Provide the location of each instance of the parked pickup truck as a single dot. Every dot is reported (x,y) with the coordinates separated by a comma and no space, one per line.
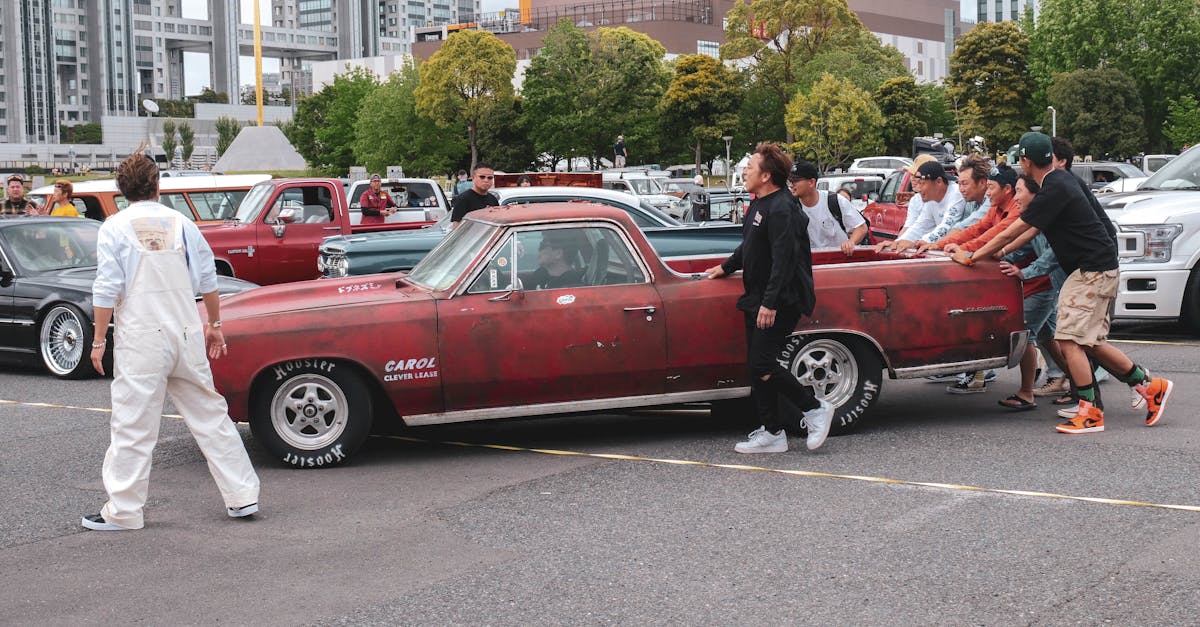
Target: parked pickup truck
(1158,238)
(274,235)
(469,336)
(888,212)
(388,252)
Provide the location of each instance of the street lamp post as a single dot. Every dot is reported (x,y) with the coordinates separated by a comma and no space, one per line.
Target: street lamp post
(71,159)
(728,174)
(1053,121)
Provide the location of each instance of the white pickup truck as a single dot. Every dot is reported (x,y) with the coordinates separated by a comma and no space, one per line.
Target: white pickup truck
(1158,232)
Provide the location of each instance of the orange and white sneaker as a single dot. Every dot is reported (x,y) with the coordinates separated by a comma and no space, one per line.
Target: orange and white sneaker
(1089,419)
(1156,391)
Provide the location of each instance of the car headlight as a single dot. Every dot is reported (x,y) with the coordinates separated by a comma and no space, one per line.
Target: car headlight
(1159,238)
(341,266)
(321,264)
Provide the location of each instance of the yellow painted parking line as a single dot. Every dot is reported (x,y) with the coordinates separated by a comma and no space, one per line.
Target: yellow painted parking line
(1153,342)
(740,467)
(806,473)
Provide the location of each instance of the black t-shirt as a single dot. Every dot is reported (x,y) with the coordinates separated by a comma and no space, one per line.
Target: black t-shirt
(469,201)
(541,279)
(1063,212)
(775,256)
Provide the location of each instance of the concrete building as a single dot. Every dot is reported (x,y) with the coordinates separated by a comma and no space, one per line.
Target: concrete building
(66,62)
(1004,10)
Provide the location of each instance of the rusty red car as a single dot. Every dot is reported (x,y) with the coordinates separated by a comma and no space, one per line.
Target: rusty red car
(477,331)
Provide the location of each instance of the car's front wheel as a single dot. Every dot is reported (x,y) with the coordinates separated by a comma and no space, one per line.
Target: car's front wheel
(317,414)
(843,370)
(64,341)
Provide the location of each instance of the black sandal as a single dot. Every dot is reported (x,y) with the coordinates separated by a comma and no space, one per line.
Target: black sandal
(1017,403)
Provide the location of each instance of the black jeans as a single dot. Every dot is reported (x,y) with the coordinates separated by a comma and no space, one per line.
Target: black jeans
(763,347)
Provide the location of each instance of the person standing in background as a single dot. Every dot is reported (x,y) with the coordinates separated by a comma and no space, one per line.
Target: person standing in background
(619,152)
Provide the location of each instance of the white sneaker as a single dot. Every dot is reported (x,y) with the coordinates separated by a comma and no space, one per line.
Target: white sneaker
(763,441)
(1069,411)
(1136,399)
(818,421)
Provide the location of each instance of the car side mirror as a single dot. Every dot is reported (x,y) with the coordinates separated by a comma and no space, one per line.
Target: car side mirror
(6,272)
(278,229)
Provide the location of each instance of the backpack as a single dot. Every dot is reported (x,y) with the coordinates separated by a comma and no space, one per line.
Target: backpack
(835,209)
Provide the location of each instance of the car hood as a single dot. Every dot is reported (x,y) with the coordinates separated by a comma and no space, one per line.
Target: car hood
(1157,208)
(417,239)
(81,279)
(302,296)
(1121,200)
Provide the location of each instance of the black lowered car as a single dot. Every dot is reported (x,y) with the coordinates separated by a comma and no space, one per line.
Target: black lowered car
(47,266)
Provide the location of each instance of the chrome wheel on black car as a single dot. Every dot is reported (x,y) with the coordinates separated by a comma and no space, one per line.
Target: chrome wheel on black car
(64,341)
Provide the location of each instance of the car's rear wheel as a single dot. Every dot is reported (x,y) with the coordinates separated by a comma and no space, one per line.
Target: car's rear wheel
(1189,313)
(317,414)
(64,341)
(845,371)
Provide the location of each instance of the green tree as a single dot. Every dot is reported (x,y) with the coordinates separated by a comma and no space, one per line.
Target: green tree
(86,133)
(939,116)
(856,54)
(169,141)
(783,37)
(621,97)
(310,115)
(504,141)
(227,130)
(208,95)
(471,74)
(1110,125)
(336,133)
(989,77)
(187,140)
(389,131)
(702,101)
(905,113)
(1183,121)
(551,105)
(760,117)
(1156,42)
(833,122)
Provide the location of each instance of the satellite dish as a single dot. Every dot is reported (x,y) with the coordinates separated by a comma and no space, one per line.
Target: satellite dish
(150,105)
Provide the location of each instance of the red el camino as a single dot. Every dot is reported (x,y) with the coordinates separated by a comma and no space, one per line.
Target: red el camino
(477,331)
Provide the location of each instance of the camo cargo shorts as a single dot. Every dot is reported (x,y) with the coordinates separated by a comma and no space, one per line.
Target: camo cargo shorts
(1083,306)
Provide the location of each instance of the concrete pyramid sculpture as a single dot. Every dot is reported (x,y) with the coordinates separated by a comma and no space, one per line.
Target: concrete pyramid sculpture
(260,148)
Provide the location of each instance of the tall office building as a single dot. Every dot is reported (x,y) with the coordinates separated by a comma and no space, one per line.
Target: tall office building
(1004,10)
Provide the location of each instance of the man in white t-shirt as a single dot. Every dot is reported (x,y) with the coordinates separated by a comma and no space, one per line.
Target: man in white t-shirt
(844,230)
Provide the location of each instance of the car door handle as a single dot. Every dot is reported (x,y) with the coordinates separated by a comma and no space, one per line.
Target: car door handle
(331,228)
(648,309)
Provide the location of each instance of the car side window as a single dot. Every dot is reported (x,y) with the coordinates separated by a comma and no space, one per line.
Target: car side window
(216,205)
(564,258)
(890,188)
(178,203)
(497,275)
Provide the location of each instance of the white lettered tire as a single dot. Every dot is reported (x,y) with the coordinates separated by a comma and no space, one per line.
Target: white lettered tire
(311,413)
(843,370)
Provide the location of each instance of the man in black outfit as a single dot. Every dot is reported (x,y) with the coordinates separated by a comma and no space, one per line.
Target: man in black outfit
(477,197)
(776,264)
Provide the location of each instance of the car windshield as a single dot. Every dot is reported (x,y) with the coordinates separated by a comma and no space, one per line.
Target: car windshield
(253,203)
(452,256)
(645,186)
(1182,172)
(1128,170)
(49,246)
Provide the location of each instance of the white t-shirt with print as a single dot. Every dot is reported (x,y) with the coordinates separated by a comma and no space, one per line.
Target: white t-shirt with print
(823,229)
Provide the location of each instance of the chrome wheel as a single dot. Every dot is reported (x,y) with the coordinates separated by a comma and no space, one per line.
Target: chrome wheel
(62,340)
(309,412)
(829,368)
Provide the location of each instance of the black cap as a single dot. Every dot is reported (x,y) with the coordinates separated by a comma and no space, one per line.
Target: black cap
(932,170)
(1004,175)
(803,170)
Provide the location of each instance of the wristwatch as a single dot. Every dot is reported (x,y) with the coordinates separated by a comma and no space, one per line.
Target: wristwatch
(216,324)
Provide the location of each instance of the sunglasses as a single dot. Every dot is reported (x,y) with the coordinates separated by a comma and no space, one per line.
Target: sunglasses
(485,176)
(15,179)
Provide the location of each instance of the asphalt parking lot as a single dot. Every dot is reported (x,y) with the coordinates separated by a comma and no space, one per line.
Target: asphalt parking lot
(942,510)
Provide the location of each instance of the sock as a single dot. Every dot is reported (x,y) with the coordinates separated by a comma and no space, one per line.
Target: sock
(1135,376)
(1088,392)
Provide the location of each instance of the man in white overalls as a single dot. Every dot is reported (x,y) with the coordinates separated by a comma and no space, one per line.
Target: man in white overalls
(151,261)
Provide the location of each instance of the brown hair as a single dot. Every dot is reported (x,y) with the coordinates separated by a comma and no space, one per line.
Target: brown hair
(1031,184)
(774,162)
(977,166)
(137,177)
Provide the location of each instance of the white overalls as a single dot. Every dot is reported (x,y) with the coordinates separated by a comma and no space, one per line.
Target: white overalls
(159,348)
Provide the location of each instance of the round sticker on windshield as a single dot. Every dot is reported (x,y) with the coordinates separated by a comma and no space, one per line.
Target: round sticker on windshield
(502,261)
(566,299)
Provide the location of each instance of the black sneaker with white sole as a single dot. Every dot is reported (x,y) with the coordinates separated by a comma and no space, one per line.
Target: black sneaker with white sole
(96,522)
(243,511)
